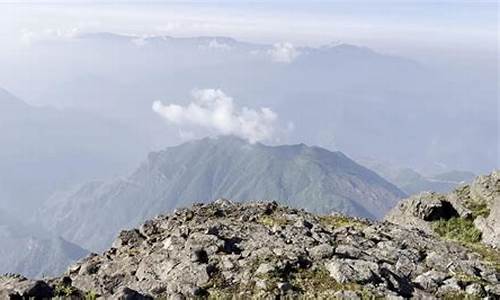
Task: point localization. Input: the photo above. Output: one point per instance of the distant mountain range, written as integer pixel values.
(203, 170)
(44, 149)
(412, 182)
(339, 96)
(29, 250)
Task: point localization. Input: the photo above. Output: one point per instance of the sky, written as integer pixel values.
(461, 35)
(419, 29)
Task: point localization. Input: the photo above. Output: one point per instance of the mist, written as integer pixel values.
(88, 89)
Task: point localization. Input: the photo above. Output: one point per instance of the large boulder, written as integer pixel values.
(488, 189)
(419, 210)
(18, 287)
(478, 202)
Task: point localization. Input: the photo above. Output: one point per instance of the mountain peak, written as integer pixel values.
(224, 167)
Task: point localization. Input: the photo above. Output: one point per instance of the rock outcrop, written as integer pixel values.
(477, 204)
(224, 249)
(488, 188)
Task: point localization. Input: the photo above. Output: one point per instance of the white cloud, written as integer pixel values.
(214, 44)
(214, 111)
(139, 41)
(283, 53)
(29, 37)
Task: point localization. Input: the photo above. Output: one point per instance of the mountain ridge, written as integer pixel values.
(297, 175)
(32, 251)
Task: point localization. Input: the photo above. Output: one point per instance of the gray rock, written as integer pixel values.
(347, 251)
(284, 286)
(396, 282)
(479, 201)
(449, 287)
(321, 251)
(301, 223)
(430, 280)
(17, 287)
(131, 238)
(199, 256)
(475, 289)
(417, 211)
(348, 270)
(493, 290)
(264, 269)
(126, 293)
(489, 226)
(223, 203)
(207, 251)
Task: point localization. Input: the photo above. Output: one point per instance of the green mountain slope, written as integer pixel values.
(299, 176)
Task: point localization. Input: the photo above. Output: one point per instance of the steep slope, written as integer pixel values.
(262, 250)
(300, 176)
(30, 251)
(45, 149)
(471, 213)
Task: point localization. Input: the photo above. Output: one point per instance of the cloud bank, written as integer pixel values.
(214, 44)
(214, 111)
(283, 53)
(29, 37)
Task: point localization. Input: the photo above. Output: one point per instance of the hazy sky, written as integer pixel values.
(456, 39)
(447, 30)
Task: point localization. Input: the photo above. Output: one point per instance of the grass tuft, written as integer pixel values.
(271, 221)
(337, 221)
(478, 208)
(489, 255)
(458, 229)
(63, 290)
(90, 295)
(463, 231)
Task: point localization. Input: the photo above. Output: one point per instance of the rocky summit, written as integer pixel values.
(263, 250)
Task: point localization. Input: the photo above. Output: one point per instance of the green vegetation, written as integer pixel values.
(317, 280)
(271, 221)
(489, 255)
(219, 288)
(10, 275)
(316, 283)
(459, 296)
(64, 290)
(458, 229)
(468, 279)
(313, 283)
(478, 208)
(463, 231)
(90, 295)
(337, 221)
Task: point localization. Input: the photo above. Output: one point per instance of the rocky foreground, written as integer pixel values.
(224, 250)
